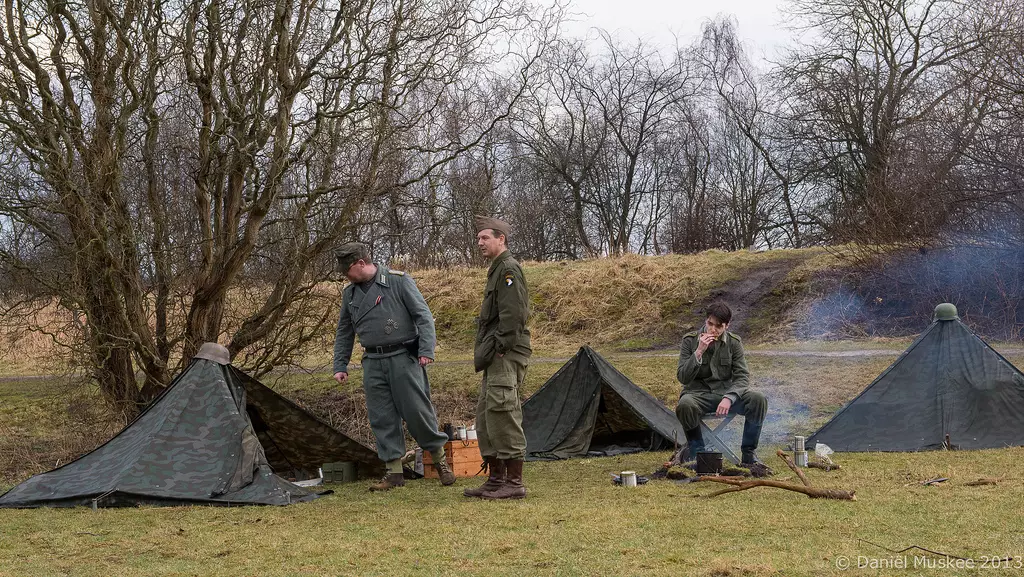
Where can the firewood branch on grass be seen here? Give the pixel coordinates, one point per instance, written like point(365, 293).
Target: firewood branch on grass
point(806, 488)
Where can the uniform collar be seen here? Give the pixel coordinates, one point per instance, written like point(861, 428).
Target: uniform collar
point(498, 260)
point(382, 276)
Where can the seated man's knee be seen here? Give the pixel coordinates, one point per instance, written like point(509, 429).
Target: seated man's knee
point(755, 405)
point(688, 410)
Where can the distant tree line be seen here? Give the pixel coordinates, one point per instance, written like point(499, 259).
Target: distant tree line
point(178, 171)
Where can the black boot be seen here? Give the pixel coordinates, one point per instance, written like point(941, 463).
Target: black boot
point(751, 437)
point(695, 444)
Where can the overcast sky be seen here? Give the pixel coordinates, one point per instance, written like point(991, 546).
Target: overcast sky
point(760, 22)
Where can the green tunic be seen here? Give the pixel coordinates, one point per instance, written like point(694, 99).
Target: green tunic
point(391, 312)
point(721, 372)
point(724, 366)
point(502, 352)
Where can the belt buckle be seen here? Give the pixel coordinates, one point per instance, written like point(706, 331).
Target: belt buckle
point(380, 350)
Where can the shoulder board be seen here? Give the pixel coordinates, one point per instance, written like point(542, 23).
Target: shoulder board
point(397, 272)
point(691, 334)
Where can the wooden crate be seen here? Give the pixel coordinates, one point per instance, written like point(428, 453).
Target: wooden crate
point(463, 459)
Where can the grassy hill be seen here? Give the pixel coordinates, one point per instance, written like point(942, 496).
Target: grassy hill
point(635, 302)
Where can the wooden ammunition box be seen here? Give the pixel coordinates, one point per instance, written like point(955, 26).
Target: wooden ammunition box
point(463, 458)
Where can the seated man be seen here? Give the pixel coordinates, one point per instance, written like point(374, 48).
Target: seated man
point(715, 379)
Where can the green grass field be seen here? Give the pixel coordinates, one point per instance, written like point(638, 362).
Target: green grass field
point(574, 522)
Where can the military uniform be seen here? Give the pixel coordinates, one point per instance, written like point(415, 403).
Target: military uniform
point(720, 373)
point(395, 328)
point(502, 352)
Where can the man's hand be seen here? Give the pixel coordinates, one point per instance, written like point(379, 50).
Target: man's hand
point(340, 377)
point(723, 407)
point(704, 341)
point(424, 361)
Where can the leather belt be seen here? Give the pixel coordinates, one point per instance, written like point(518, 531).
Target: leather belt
point(386, 348)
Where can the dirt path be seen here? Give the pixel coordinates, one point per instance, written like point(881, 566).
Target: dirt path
point(744, 295)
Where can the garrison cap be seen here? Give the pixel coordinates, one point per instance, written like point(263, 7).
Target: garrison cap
point(349, 253)
point(486, 222)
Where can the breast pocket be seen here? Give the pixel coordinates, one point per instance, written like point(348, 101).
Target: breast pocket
point(725, 366)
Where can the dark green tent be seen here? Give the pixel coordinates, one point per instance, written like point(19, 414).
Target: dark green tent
point(589, 407)
point(215, 436)
point(949, 382)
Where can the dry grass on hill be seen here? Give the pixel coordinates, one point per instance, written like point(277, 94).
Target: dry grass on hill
point(628, 302)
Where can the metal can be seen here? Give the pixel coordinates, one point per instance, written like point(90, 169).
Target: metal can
point(800, 458)
point(629, 478)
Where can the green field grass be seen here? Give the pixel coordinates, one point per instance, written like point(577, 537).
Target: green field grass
point(574, 522)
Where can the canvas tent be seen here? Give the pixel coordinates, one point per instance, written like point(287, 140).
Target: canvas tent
point(214, 436)
point(589, 407)
point(948, 382)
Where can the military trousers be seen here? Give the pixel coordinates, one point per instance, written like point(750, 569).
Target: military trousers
point(397, 390)
point(753, 405)
point(499, 412)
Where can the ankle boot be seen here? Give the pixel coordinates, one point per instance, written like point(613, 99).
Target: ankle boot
point(444, 472)
point(390, 481)
point(513, 487)
point(495, 478)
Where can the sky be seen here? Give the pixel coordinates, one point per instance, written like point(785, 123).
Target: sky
point(760, 21)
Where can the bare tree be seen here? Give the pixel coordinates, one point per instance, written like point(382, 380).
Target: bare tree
point(193, 162)
point(867, 96)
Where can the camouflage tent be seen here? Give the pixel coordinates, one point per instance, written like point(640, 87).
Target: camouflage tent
point(589, 407)
point(214, 436)
point(949, 385)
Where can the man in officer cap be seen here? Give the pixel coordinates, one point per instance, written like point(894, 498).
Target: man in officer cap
point(502, 351)
point(396, 331)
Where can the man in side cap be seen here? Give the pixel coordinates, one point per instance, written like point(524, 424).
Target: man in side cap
point(502, 351)
point(396, 330)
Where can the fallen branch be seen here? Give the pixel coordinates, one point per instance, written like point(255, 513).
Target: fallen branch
point(812, 492)
point(983, 481)
point(806, 488)
point(789, 463)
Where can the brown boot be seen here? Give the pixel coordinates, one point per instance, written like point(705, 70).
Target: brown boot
point(513, 487)
point(390, 481)
point(495, 478)
point(444, 472)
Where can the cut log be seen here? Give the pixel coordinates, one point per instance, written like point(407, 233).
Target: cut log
point(823, 466)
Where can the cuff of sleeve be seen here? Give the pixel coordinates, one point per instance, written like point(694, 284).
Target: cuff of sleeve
point(733, 397)
point(698, 357)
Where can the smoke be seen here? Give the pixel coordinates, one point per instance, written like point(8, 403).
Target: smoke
point(787, 416)
point(895, 295)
